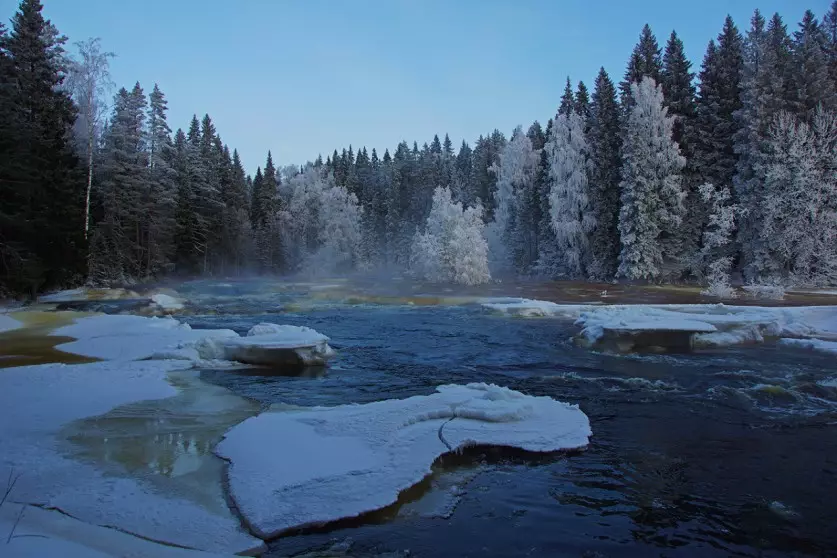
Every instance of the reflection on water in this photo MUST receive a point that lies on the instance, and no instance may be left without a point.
(167, 442)
(33, 343)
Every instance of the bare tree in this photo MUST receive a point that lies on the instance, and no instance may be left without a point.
(89, 83)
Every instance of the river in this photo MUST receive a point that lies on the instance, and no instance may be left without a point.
(714, 453)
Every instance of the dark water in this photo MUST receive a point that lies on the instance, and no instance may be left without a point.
(724, 453)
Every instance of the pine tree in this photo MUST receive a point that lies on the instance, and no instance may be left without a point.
(42, 186)
(811, 69)
(162, 185)
(652, 196)
(605, 139)
(571, 214)
(644, 61)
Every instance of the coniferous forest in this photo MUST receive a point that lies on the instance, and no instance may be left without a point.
(719, 171)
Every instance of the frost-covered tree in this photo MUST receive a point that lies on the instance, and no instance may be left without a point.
(452, 248)
(511, 229)
(799, 207)
(651, 190)
(717, 236)
(571, 214)
(811, 68)
(605, 140)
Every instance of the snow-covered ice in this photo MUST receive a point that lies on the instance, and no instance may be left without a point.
(37, 402)
(293, 469)
(166, 303)
(48, 533)
(120, 337)
(710, 325)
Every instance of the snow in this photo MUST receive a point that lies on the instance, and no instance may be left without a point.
(269, 344)
(299, 468)
(7, 323)
(128, 338)
(812, 344)
(37, 402)
(714, 325)
(166, 302)
(525, 307)
(42, 532)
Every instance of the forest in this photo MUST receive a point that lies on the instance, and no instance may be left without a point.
(716, 174)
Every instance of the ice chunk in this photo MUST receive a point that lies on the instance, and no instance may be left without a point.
(131, 337)
(270, 344)
(294, 469)
(166, 302)
(528, 308)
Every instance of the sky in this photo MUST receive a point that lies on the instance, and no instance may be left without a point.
(303, 77)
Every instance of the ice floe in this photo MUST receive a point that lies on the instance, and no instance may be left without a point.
(295, 469)
(625, 327)
(137, 338)
(812, 344)
(166, 303)
(38, 402)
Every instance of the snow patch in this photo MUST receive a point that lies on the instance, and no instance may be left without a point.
(529, 308)
(295, 469)
(166, 302)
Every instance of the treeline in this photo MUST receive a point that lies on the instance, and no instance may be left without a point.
(652, 178)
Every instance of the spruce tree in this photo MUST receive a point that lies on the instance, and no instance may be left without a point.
(41, 182)
(567, 99)
(829, 25)
(644, 61)
(605, 139)
(162, 184)
(719, 97)
(811, 68)
(651, 190)
(582, 102)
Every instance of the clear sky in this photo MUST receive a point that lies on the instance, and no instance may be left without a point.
(302, 77)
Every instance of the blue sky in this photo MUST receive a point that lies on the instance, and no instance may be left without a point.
(303, 77)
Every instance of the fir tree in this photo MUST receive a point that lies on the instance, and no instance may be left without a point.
(567, 99)
(582, 102)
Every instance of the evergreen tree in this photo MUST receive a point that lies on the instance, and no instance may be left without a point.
(829, 25)
(644, 61)
(571, 216)
(567, 99)
(811, 68)
(605, 140)
(652, 196)
(163, 192)
(41, 184)
(718, 100)
(582, 102)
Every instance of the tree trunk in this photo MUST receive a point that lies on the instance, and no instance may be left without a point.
(89, 184)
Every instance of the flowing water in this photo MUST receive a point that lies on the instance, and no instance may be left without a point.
(715, 453)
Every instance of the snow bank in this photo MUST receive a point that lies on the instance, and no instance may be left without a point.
(7, 323)
(812, 344)
(43, 532)
(296, 469)
(37, 402)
